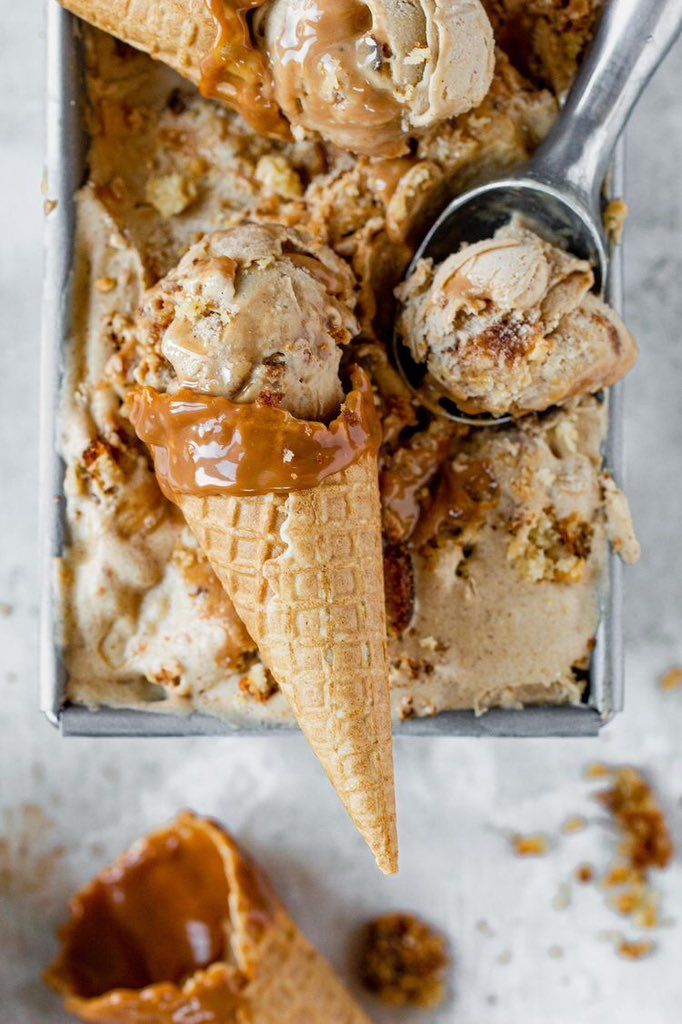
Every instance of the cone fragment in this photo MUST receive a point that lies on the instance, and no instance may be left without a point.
(305, 573)
(178, 32)
(267, 973)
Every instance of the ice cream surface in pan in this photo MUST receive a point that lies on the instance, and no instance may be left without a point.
(477, 616)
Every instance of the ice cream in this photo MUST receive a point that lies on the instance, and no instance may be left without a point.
(146, 622)
(363, 75)
(509, 325)
(546, 38)
(257, 313)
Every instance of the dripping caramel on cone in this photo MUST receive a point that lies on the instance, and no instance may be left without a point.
(208, 445)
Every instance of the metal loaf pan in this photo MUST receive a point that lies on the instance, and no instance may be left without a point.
(66, 171)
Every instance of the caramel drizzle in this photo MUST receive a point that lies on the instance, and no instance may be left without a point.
(237, 73)
(411, 470)
(464, 497)
(207, 445)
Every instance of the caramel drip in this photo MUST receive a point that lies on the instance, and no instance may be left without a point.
(206, 444)
(465, 495)
(412, 469)
(237, 73)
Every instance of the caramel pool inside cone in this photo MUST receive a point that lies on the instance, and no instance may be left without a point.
(185, 927)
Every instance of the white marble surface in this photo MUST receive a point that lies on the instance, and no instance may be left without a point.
(69, 806)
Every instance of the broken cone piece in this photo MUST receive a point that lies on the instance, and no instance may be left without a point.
(184, 926)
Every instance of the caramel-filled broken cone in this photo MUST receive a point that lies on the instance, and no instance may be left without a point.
(185, 927)
(304, 570)
(206, 41)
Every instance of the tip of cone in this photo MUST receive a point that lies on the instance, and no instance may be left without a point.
(388, 864)
(386, 854)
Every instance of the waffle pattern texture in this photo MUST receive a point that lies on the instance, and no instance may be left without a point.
(305, 573)
(178, 32)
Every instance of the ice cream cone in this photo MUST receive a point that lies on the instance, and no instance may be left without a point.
(178, 32)
(206, 41)
(185, 888)
(305, 573)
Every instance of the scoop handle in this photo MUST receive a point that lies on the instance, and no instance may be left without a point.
(631, 41)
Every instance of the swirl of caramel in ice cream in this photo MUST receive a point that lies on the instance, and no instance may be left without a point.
(237, 73)
(206, 444)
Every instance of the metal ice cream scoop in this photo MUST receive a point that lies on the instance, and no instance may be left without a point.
(559, 193)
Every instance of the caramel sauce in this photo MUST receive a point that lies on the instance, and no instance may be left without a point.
(237, 73)
(383, 176)
(159, 915)
(412, 468)
(160, 919)
(207, 445)
(464, 496)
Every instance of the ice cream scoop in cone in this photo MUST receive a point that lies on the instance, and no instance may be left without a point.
(186, 927)
(304, 569)
(285, 507)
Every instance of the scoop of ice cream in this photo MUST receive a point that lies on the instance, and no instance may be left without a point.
(365, 73)
(509, 325)
(257, 312)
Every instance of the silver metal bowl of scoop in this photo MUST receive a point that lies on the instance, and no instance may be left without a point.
(559, 193)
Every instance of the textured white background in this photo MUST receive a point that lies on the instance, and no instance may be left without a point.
(68, 806)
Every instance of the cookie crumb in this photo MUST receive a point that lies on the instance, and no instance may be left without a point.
(105, 284)
(531, 845)
(646, 839)
(615, 215)
(572, 825)
(635, 949)
(584, 874)
(646, 843)
(170, 194)
(403, 961)
(258, 683)
(672, 680)
(277, 177)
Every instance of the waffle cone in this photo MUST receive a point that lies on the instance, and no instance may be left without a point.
(268, 972)
(305, 573)
(178, 32)
(205, 42)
